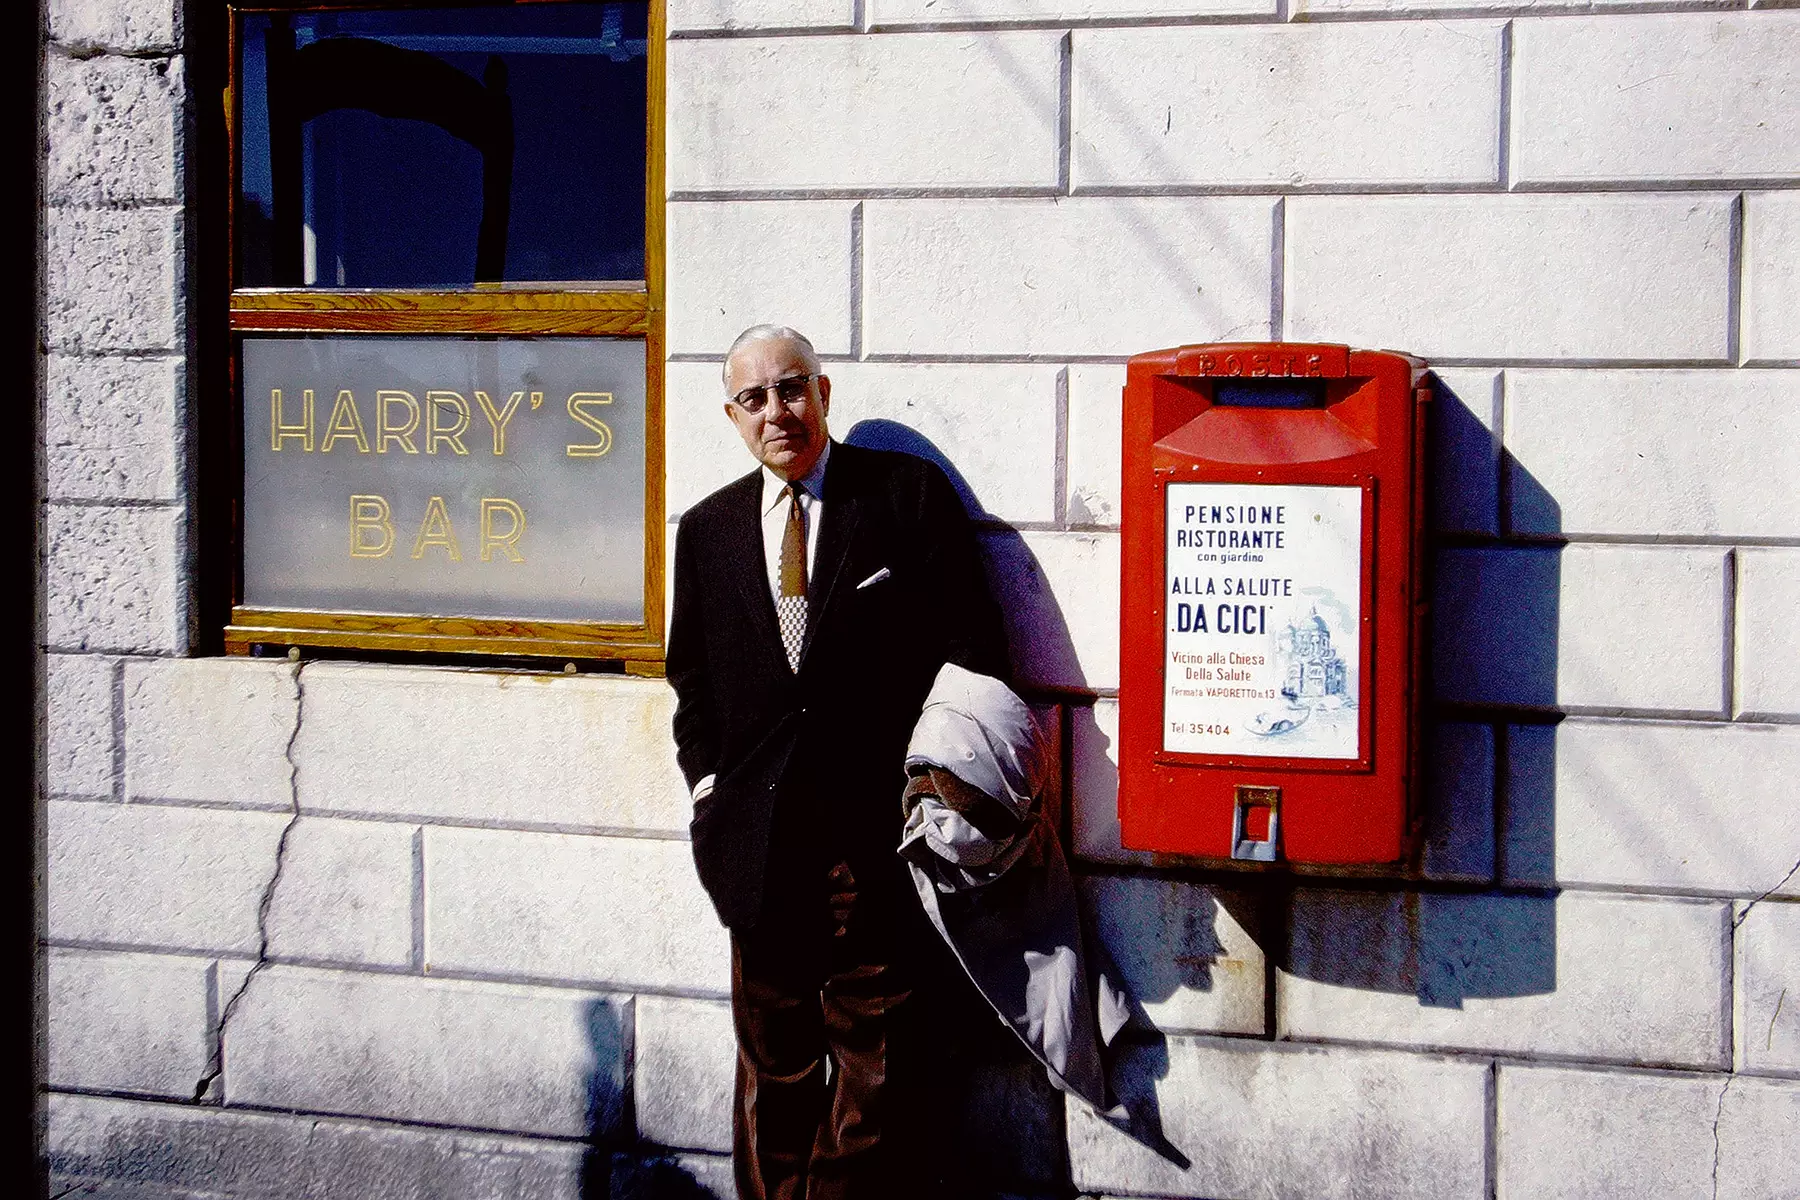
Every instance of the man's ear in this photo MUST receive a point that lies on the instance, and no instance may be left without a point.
(824, 382)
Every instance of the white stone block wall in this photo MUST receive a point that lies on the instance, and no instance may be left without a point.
(115, 398)
(447, 919)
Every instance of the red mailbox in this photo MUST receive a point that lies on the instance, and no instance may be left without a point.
(1271, 602)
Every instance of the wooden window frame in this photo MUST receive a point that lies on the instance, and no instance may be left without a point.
(525, 310)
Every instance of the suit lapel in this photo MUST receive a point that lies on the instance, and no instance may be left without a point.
(843, 509)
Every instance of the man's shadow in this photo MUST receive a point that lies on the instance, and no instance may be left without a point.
(609, 1108)
(1473, 912)
(1012, 1122)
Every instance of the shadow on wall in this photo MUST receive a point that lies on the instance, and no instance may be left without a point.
(1037, 632)
(653, 1179)
(1493, 650)
(1489, 816)
(1489, 807)
(1012, 1125)
(609, 1116)
(881, 434)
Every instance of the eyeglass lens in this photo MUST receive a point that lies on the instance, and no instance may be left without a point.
(753, 400)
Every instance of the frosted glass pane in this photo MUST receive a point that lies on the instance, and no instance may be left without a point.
(445, 476)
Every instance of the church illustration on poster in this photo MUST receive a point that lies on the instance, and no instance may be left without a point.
(1314, 670)
(1318, 685)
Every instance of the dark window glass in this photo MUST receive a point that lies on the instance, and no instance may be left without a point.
(442, 147)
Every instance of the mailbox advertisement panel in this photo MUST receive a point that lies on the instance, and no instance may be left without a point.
(1264, 636)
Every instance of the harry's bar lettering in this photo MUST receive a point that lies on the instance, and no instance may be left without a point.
(435, 530)
(370, 514)
(578, 409)
(498, 418)
(502, 524)
(345, 422)
(491, 538)
(446, 417)
(437, 433)
(385, 431)
(280, 432)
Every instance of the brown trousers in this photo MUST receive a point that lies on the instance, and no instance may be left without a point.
(832, 1064)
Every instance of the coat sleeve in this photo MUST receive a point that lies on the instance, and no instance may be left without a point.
(696, 724)
(972, 632)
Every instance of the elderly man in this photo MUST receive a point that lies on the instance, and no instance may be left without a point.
(815, 600)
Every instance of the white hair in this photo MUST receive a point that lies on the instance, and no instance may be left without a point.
(770, 333)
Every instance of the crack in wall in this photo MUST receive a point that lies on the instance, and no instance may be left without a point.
(1718, 1115)
(1792, 871)
(1731, 1077)
(215, 1063)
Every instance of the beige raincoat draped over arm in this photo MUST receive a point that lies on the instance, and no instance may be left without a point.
(990, 871)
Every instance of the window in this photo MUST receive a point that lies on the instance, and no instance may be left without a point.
(446, 329)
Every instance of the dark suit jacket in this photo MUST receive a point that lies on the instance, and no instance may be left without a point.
(818, 755)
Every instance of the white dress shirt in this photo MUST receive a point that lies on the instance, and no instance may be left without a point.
(774, 527)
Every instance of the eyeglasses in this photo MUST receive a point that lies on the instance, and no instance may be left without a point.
(754, 399)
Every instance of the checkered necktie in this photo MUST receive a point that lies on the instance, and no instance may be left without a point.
(790, 606)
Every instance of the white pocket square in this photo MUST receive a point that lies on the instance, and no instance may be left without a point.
(874, 579)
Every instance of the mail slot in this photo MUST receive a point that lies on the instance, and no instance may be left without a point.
(1271, 602)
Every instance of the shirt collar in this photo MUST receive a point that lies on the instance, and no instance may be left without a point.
(813, 481)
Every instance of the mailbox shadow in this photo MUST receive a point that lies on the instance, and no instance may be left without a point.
(1478, 918)
(1012, 1123)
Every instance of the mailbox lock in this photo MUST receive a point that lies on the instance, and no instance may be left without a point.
(1251, 796)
